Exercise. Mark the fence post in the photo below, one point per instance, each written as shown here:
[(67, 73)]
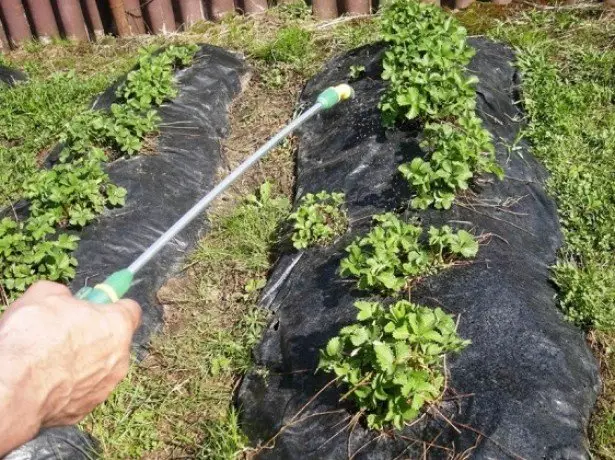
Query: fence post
[(43, 20), (4, 41), (134, 15), (73, 22), (357, 6), (92, 16), (254, 6), (218, 8), (15, 21), (160, 15), (118, 11), (324, 9), (191, 11)]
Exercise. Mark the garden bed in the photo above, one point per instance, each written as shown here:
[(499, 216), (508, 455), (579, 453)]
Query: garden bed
[(499, 399)]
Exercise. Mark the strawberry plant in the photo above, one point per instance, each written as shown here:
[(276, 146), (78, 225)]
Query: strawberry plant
[(319, 219), (392, 360), (392, 254), (152, 83), (76, 190), (425, 66), (27, 254)]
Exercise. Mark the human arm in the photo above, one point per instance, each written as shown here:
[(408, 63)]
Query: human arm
[(59, 358)]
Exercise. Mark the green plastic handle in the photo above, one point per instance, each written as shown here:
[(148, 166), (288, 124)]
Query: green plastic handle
[(109, 291)]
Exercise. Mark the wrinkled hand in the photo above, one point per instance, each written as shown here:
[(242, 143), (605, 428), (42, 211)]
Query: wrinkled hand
[(59, 358)]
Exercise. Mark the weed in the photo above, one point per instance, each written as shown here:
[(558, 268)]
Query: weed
[(319, 219), (290, 45), (391, 255), (356, 72), (392, 360)]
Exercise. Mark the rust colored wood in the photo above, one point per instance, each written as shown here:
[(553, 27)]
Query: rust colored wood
[(119, 16), (254, 6), (92, 17), (73, 22), (218, 8), (43, 20), (15, 21), (4, 41), (463, 4), (324, 9), (134, 15), (191, 11), (160, 15), (357, 6)]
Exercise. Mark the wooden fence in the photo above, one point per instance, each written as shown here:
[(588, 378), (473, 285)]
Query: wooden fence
[(87, 19)]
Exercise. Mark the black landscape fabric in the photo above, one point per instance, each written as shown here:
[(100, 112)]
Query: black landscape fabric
[(161, 187), (11, 76), (526, 385)]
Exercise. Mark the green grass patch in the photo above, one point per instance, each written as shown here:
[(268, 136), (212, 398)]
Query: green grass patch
[(568, 67), (32, 117)]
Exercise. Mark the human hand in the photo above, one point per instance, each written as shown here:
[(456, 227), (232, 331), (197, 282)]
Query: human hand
[(59, 358)]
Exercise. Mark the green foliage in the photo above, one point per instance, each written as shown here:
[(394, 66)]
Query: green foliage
[(152, 83), (290, 45), (425, 66), (392, 359), (32, 116), (392, 254), (319, 219), (457, 150), (29, 254), (74, 191), (72, 194), (579, 156), (356, 72)]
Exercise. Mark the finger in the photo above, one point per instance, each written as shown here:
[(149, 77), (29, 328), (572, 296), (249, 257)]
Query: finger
[(41, 290), (132, 311), (124, 317)]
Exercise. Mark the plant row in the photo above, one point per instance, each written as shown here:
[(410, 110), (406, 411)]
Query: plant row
[(76, 189), (425, 65), (391, 361)]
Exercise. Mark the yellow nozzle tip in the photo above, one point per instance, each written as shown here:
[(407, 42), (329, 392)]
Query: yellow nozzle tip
[(344, 91)]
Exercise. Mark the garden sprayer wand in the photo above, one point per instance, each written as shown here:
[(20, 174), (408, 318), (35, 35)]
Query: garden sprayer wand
[(118, 283)]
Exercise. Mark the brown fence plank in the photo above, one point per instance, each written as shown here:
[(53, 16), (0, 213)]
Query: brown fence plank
[(216, 9), (43, 20), (134, 14), (191, 11), (92, 17), (15, 21), (72, 19), (159, 16)]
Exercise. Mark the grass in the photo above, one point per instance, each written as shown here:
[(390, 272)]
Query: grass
[(568, 64), (178, 401)]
